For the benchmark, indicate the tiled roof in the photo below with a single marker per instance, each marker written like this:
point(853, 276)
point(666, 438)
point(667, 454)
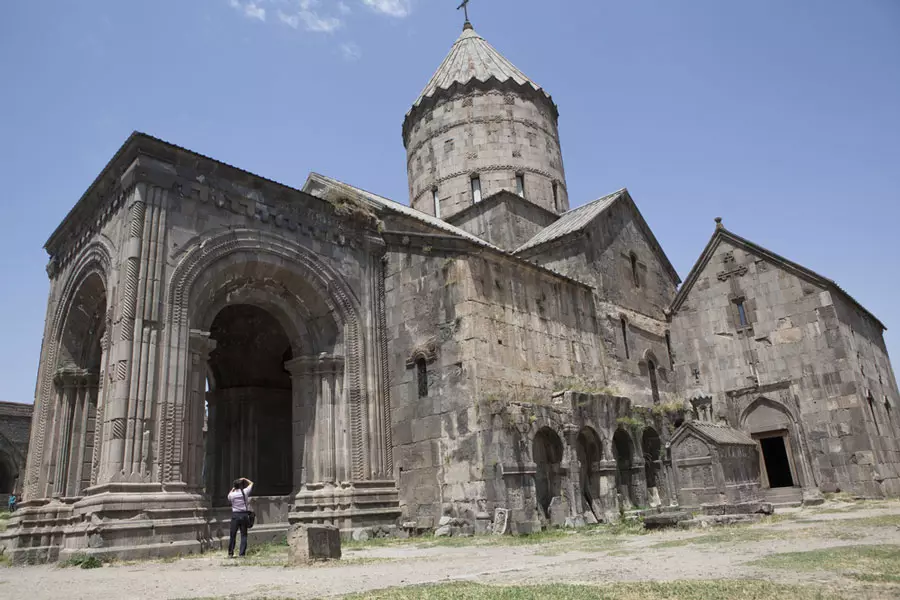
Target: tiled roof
point(317, 184)
point(572, 221)
point(722, 434)
point(473, 58)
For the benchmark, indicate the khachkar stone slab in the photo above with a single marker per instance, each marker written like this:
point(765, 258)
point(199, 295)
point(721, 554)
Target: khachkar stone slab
point(501, 521)
point(309, 543)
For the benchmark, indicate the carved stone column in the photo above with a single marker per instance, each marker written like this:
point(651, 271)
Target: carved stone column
point(572, 472)
point(85, 392)
point(318, 406)
point(67, 380)
point(193, 459)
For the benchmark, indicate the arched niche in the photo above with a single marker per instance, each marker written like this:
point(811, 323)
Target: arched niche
point(547, 451)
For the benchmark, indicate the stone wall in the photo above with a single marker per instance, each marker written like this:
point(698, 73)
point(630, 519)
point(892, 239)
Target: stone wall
point(876, 381)
point(601, 257)
point(490, 133)
point(15, 427)
point(504, 220)
point(789, 368)
point(491, 330)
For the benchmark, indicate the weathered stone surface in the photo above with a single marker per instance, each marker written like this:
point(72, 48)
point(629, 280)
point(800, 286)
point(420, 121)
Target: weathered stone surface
point(309, 543)
point(666, 519)
point(407, 365)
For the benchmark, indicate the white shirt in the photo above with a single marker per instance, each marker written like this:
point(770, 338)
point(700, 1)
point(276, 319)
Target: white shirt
point(237, 499)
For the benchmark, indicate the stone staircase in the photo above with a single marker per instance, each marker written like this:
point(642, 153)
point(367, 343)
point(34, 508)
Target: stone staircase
point(784, 496)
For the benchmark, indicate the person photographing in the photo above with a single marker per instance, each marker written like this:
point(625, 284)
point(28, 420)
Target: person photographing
point(239, 496)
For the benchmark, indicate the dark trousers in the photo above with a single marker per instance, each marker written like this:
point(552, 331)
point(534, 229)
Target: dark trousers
point(239, 520)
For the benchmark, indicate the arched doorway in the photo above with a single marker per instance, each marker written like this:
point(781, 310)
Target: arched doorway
point(622, 446)
point(547, 451)
point(7, 474)
point(773, 427)
point(589, 449)
point(73, 422)
point(250, 403)
point(652, 446)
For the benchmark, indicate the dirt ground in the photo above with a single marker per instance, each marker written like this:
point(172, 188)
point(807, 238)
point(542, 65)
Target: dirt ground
point(594, 556)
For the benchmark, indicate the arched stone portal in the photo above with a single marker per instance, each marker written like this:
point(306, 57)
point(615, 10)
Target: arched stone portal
point(547, 450)
point(589, 450)
point(76, 382)
point(782, 464)
point(7, 474)
point(623, 447)
point(652, 445)
point(338, 420)
point(249, 420)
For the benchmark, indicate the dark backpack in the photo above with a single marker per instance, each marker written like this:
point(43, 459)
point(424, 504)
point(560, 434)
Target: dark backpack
point(251, 516)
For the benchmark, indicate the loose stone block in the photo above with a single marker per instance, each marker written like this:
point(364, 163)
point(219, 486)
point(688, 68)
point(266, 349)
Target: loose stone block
point(309, 543)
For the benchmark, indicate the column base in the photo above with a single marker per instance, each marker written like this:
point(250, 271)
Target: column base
point(119, 520)
point(347, 506)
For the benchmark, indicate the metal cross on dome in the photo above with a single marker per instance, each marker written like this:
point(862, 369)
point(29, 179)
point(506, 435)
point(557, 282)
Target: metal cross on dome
point(465, 7)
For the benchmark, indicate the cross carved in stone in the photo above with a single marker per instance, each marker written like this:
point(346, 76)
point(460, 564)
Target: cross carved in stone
point(730, 270)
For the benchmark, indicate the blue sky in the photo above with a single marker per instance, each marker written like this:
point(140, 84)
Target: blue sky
point(782, 117)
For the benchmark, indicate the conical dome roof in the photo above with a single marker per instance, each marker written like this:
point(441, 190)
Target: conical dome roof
point(473, 59)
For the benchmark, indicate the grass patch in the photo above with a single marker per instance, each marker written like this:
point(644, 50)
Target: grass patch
point(879, 564)
point(550, 536)
point(880, 521)
point(748, 534)
point(672, 590)
point(83, 561)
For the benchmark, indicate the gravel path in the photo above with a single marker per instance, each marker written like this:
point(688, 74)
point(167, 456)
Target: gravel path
point(580, 560)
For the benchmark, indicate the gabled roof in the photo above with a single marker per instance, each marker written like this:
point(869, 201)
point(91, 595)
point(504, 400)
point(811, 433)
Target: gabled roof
point(473, 58)
point(723, 235)
point(572, 221)
point(497, 198)
point(579, 218)
point(714, 432)
point(317, 185)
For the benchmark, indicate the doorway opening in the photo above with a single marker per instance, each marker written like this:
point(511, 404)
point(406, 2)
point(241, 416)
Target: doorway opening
point(249, 404)
point(777, 462)
point(547, 452)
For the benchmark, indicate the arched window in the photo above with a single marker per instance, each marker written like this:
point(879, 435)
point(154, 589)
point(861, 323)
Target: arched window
point(555, 196)
point(476, 189)
point(654, 386)
point(625, 338)
point(422, 377)
point(634, 271)
point(520, 184)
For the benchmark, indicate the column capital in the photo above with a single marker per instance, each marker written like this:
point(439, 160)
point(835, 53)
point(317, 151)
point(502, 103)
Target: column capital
point(201, 344)
point(72, 377)
point(308, 365)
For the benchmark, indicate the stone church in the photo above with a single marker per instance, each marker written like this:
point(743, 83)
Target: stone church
point(482, 358)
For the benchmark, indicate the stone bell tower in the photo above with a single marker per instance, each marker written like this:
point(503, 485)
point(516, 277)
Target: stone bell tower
point(481, 126)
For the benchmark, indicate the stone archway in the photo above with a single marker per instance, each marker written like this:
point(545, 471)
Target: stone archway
point(250, 405)
point(652, 447)
point(339, 409)
point(589, 449)
point(782, 463)
point(623, 447)
point(547, 452)
point(73, 421)
point(7, 474)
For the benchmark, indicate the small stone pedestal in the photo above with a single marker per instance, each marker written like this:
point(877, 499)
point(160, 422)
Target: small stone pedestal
point(310, 543)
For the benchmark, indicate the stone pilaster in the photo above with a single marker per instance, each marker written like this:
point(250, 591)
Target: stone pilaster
point(319, 404)
point(201, 345)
